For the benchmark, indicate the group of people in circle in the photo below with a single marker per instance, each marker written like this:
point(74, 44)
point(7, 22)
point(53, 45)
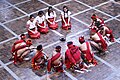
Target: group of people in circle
point(76, 57)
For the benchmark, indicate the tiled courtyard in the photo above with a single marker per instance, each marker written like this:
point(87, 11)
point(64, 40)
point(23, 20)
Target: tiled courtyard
point(14, 15)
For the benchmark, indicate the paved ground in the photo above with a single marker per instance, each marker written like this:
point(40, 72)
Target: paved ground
point(13, 17)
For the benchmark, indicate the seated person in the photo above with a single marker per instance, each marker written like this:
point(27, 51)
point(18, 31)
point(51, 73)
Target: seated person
point(87, 54)
point(106, 31)
point(56, 62)
point(96, 19)
point(65, 15)
point(32, 29)
point(73, 57)
point(51, 17)
point(21, 49)
point(41, 22)
point(98, 41)
point(39, 59)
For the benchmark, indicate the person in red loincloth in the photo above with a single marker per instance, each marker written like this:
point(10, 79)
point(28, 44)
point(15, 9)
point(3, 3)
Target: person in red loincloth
point(41, 22)
point(51, 17)
point(98, 41)
point(96, 19)
point(106, 31)
point(56, 62)
point(65, 15)
point(21, 48)
point(39, 59)
point(73, 59)
point(32, 28)
point(87, 54)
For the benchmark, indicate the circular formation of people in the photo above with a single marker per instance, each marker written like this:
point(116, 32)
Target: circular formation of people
point(76, 58)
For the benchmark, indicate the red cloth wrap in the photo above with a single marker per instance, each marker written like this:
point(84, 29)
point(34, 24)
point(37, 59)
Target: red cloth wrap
point(43, 30)
point(52, 26)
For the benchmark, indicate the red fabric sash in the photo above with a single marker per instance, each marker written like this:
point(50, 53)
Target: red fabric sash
point(88, 53)
point(102, 41)
point(17, 42)
point(63, 24)
point(49, 65)
point(36, 57)
point(72, 56)
point(52, 26)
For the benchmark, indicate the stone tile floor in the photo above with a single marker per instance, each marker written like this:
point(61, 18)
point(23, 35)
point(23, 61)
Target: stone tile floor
point(13, 17)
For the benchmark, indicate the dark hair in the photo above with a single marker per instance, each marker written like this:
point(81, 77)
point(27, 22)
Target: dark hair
point(31, 16)
point(39, 47)
point(94, 15)
point(49, 9)
point(40, 12)
point(69, 43)
point(22, 35)
point(58, 48)
point(67, 10)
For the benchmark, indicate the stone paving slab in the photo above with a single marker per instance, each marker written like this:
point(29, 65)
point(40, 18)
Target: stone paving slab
point(110, 8)
point(113, 56)
point(53, 2)
point(115, 26)
point(9, 13)
point(93, 2)
point(86, 16)
point(4, 34)
point(46, 39)
point(72, 7)
point(3, 4)
point(5, 51)
point(15, 1)
point(32, 6)
point(18, 26)
point(4, 75)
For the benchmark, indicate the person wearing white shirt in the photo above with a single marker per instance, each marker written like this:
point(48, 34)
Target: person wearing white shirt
point(32, 29)
point(65, 15)
point(51, 17)
point(41, 22)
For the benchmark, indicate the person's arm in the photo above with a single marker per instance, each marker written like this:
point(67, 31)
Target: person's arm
point(69, 13)
point(47, 18)
point(64, 20)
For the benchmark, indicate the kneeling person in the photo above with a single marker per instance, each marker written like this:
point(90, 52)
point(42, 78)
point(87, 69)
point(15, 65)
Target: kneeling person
point(39, 59)
point(88, 56)
point(56, 62)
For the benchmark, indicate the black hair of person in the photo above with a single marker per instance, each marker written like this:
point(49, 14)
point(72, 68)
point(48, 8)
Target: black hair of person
point(22, 35)
point(40, 12)
point(67, 10)
point(50, 8)
point(31, 16)
point(39, 47)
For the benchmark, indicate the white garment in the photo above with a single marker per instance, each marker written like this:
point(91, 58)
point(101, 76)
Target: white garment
point(66, 14)
point(40, 19)
point(31, 25)
point(52, 15)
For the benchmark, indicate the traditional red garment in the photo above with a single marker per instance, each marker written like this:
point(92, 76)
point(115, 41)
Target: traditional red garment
point(96, 17)
point(72, 56)
point(102, 41)
point(109, 31)
point(87, 52)
point(52, 26)
point(17, 42)
point(43, 30)
point(36, 58)
point(50, 64)
point(34, 35)
point(63, 24)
